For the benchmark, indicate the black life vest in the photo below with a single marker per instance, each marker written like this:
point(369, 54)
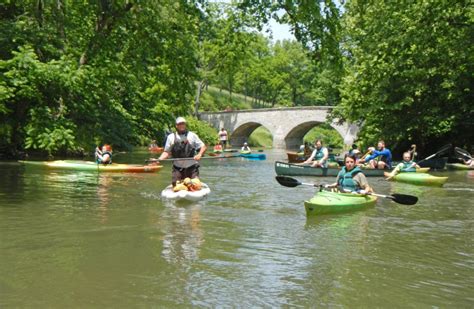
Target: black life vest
point(183, 149)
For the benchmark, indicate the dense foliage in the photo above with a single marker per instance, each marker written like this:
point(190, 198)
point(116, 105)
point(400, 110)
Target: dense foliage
point(76, 74)
point(409, 71)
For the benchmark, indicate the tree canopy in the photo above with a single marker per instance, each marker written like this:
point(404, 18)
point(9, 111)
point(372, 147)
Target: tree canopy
point(75, 74)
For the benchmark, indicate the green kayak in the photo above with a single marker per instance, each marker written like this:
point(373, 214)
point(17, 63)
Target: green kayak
point(420, 179)
point(459, 166)
point(325, 202)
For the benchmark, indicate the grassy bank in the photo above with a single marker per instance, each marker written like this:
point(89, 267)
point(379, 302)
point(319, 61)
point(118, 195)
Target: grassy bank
point(261, 137)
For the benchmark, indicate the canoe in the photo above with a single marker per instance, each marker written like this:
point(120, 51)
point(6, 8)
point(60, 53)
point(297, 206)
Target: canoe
point(253, 156)
point(289, 169)
point(296, 157)
point(435, 163)
point(421, 179)
point(459, 166)
point(192, 196)
point(325, 202)
point(77, 165)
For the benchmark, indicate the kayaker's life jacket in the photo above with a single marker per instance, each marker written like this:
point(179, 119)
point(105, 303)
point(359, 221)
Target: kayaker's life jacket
point(182, 149)
point(99, 161)
point(346, 181)
point(408, 167)
point(319, 153)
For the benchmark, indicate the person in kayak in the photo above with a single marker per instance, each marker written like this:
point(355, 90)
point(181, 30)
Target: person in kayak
point(245, 148)
point(354, 150)
point(380, 158)
point(406, 166)
point(223, 138)
point(183, 144)
point(351, 178)
point(319, 157)
point(104, 156)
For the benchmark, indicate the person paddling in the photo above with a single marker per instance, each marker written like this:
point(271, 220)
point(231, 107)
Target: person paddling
point(382, 154)
point(320, 155)
point(351, 178)
point(104, 156)
point(183, 144)
point(223, 138)
point(246, 148)
point(406, 166)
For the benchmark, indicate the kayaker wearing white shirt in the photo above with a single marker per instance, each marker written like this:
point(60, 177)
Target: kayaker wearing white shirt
point(245, 148)
point(183, 144)
point(320, 156)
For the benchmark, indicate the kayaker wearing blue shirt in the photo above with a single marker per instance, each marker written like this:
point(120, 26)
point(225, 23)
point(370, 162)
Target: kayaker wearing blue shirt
point(183, 144)
point(351, 178)
point(104, 156)
point(380, 158)
point(320, 155)
point(406, 166)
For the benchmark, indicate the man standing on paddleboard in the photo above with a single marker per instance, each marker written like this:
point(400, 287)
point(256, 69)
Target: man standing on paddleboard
point(183, 144)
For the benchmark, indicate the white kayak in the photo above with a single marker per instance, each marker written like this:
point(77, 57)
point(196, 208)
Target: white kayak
point(193, 196)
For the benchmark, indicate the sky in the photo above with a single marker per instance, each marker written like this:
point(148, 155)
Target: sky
point(279, 31)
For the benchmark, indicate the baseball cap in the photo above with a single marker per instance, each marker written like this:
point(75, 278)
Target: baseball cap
point(180, 120)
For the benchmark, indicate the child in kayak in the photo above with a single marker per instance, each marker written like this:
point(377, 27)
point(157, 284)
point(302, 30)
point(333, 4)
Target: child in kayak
point(406, 166)
point(351, 178)
point(246, 148)
point(104, 156)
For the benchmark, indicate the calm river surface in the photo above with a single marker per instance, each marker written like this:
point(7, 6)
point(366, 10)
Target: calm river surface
point(76, 239)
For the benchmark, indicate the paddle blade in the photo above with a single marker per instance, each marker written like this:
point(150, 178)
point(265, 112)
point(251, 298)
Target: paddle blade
point(463, 153)
point(404, 199)
point(287, 181)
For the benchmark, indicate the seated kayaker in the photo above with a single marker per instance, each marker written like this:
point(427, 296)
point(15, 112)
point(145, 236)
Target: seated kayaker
point(245, 148)
point(319, 157)
point(218, 148)
point(380, 158)
point(354, 150)
point(351, 178)
point(183, 144)
point(153, 144)
point(406, 166)
point(103, 156)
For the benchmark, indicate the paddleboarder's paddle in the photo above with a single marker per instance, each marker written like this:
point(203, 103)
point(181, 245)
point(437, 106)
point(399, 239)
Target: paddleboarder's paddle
point(396, 197)
point(463, 153)
point(190, 159)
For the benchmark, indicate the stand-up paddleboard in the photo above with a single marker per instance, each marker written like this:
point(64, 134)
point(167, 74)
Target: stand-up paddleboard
point(192, 196)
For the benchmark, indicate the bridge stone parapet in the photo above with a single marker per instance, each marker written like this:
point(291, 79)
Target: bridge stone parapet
point(288, 125)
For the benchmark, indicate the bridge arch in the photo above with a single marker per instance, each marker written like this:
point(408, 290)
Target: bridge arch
point(287, 125)
point(295, 135)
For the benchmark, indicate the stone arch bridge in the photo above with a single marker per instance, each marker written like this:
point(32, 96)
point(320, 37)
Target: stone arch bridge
point(287, 125)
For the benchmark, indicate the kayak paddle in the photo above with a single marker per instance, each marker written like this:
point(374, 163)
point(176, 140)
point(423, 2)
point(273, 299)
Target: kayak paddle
point(403, 199)
point(442, 150)
point(190, 159)
point(396, 197)
point(292, 182)
point(463, 153)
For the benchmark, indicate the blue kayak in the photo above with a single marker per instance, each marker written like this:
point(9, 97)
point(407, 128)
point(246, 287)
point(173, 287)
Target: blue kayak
point(253, 156)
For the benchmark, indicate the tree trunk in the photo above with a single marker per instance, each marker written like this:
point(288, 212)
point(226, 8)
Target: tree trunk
point(201, 85)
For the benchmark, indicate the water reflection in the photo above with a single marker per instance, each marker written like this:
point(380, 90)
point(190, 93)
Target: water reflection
point(182, 233)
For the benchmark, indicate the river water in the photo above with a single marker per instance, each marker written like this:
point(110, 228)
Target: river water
point(77, 239)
